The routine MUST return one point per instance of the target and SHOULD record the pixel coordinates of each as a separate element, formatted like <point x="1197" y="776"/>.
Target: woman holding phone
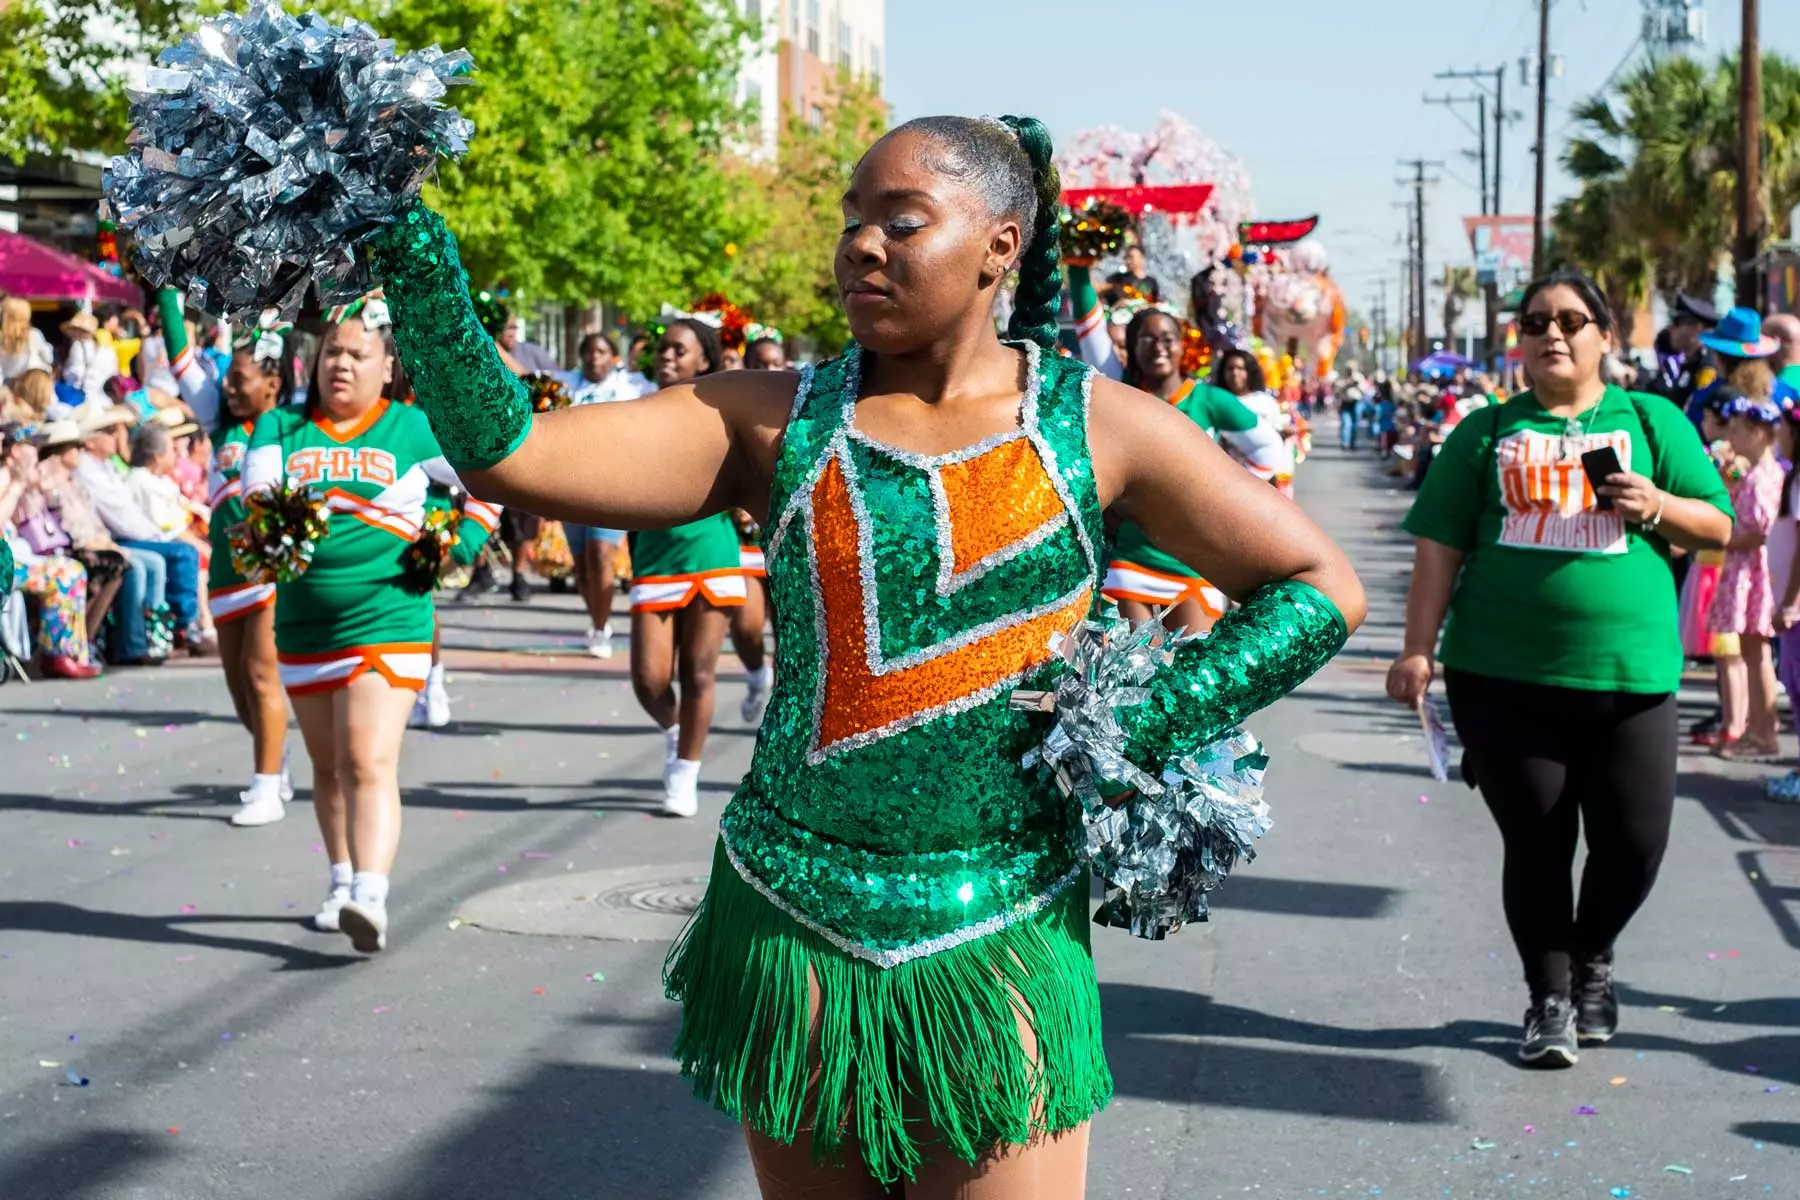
<point x="1561" y="651"/>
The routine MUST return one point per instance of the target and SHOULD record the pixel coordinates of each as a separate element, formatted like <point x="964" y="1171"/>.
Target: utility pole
<point x="1490" y="292"/>
<point x="1543" y="144"/>
<point x="1417" y="311"/>
<point x="1381" y="325"/>
<point x="1749" y="176"/>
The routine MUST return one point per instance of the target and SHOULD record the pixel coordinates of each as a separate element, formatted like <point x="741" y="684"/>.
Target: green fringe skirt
<point x="990" y="1042"/>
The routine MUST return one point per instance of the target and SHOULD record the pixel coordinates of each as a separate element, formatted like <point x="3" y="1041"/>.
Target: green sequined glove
<point x="479" y="410"/>
<point x="6" y="570"/>
<point x="1256" y="654"/>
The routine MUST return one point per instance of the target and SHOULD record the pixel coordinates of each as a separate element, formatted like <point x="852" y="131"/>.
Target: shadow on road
<point x="601" y="794"/>
<point x="1305" y="898"/>
<point x="576" y="1129"/>
<point x="86" y="1164"/>
<point x="1148" y="1028"/>
<point x="46" y="916"/>
<point x="177" y="807"/>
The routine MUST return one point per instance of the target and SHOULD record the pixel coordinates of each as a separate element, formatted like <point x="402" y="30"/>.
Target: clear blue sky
<point x="1320" y="98"/>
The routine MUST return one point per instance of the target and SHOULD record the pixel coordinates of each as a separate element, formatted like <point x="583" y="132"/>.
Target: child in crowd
<point x="1697" y="638"/>
<point x="1744" y="603"/>
<point x="1784" y="580"/>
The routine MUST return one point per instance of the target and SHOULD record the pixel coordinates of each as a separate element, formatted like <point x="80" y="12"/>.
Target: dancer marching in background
<point x="353" y="642"/>
<point x="682" y="580"/>
<point x="257" y="386"/>
<point x="750" y="624"/>
<point x="1140" y="577"/>
<point x="890" y="876"/>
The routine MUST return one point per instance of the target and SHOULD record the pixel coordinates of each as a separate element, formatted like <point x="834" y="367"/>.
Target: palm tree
<point x="1658" y="163"/>
<point x="1459" y="289"/>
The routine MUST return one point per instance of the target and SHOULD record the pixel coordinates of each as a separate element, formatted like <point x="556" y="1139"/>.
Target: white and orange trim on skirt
<point x="724" y="588"/>
<point x="406" y="665"/>
<point x="239" y="601"/>
<point x="1128" y="581"/>
<point x="750" y="558"/>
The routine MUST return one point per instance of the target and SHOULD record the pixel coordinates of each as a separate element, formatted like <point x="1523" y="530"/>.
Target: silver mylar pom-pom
<point x="266" y="147"/>
<point x="1184" y="828"/>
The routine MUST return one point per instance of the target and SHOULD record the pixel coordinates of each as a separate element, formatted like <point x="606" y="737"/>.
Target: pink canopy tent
<point x="35" y="271"/>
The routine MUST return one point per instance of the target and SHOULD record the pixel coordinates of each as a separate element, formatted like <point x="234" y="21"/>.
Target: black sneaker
<point x="480" y="584"/>
<point x="1549" y="1034"/>
<point x="1596" y="1004"/>
<point x="521" y="591"/>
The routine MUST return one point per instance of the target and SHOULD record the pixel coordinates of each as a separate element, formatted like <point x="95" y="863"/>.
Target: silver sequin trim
<point x="1061" y="485"/>
<point x="887" y="959"/>
<point x="801" y="395"/>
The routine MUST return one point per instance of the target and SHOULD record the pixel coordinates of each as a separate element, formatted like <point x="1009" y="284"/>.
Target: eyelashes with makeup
<point x="899" y="228"/>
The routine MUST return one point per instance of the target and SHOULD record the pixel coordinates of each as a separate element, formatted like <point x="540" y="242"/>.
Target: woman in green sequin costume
<point x="889" y="981"/>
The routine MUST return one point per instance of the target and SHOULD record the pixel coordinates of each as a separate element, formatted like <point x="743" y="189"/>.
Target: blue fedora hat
<point x="1739" y="335"/>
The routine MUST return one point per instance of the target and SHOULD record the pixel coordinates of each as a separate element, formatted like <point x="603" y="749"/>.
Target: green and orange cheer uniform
<point x="349" y="614"/>
<point x="231" y="596"/>
<point x="671" y="568"/>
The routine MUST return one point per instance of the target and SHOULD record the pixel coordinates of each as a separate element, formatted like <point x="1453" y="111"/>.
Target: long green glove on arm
<point x="1255" y="654"/>
<point x="6" y="570"/>
<point x="478" y="408"/>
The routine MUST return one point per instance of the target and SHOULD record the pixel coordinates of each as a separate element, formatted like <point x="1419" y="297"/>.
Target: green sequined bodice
<point x="886" y="806"/>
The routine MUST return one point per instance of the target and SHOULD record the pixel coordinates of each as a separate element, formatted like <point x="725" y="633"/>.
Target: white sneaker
<point x="600" y="642"/>
<point x="420" y="716"/>
<point x="326" y="919"/>
<point x="365" y="923"/>
<point x="258" y="808"/>
<point x="681" y="789"/>
<point x="437" y="708"/>
<point x="756" y="696"/>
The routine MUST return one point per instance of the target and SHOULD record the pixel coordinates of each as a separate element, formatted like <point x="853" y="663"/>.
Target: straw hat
<point x="81" y="322"/>
<point x="57" y="434"/>
<point x="98" y="418"/>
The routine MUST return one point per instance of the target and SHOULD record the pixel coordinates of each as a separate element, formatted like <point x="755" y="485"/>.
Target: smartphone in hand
<point x="1599" y="465"/>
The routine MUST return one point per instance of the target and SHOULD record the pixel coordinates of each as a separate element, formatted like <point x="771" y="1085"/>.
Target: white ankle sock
<point x="435" y="680"/>
<point x="672" y="738"/>
<point x="685" y="774"/>
<point x="341" y="875"/>
<point x="762" y="677"/>
<point x="266" y="785"/>
<point x="369" y="887"/>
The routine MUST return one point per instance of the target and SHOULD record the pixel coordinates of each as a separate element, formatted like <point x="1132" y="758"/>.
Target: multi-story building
<point x="805" y="45"/>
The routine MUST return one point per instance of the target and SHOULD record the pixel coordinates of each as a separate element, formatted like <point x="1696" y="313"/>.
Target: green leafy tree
<point x="601" y="128"/>
<point x="61" y="70"/>
<point x="783" y="273"/>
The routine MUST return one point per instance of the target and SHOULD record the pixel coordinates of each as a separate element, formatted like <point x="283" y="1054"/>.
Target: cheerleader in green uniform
<point x="353" y="643"/>
<point x="682" y="580"/>
<point x="258" y="383"/>
<point x="889" y="981"/>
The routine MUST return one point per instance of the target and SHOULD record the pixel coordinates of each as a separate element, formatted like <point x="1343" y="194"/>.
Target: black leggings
<point x="1549" y="760"/>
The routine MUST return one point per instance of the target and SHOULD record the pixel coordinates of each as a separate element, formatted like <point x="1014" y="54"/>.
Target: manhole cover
<point x="672" y="898"/>
<point x="635" y="904"/>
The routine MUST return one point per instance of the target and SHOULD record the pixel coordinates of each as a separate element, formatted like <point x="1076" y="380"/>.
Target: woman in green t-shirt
<point x="1561" y="652"/>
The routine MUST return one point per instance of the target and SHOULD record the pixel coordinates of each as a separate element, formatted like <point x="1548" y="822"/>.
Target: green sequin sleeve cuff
<point x="479" y="410"/>
<point x="1256" y="654"/>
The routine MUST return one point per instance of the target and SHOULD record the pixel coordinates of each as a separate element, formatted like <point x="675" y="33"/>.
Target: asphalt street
<point x="169" y="1029"/>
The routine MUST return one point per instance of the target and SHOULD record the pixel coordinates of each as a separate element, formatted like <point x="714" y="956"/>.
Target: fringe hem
<point x="932" y="1054"/>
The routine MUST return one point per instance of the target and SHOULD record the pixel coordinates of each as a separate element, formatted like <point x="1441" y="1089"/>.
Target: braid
<point x="1039" y="297"/>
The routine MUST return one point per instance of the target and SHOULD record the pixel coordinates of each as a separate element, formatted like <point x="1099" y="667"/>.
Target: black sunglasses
<point x="1569" y="321"/>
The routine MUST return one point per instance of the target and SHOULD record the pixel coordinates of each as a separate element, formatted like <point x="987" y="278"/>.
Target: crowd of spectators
<point x="103" y="490"/>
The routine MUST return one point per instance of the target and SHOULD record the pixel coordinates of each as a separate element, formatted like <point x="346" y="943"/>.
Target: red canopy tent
<point x="30" y="269"/>
<point x="1178" y="199"/>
